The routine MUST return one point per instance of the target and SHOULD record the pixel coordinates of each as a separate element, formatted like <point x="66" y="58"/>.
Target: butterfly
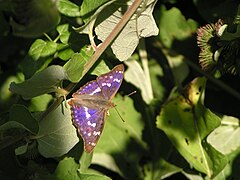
<point x="90" y="105"/>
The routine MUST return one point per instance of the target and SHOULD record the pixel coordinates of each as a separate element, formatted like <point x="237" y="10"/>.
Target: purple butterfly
<point x="91" y="103"/>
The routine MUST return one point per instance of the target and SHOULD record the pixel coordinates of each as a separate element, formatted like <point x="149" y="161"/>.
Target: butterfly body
<point x="91" y="103"/>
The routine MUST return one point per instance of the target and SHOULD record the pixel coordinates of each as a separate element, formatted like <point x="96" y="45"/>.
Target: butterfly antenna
<point x="118" y="111"/>
<point x="119" y="114"/>
<point x="132" y="93"/>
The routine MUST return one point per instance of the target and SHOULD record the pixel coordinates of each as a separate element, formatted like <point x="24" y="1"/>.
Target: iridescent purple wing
<point x="90" y="123"/>
<point x="90" y="103"/>
<point x="91" y="88"/>
<point x="110" y="82"/>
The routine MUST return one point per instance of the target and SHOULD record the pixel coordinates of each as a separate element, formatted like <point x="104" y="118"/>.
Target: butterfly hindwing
<point x="90" y="123"/>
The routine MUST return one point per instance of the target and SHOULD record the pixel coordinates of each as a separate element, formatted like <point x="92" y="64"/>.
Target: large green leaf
<point x="187" y="123"/>
<point x="43" y="82"/>
<point x="121" y="147"/>
<point x="141" y="25"/>
<point x="56" y="134"/>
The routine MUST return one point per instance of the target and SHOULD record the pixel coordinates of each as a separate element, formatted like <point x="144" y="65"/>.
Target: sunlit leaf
<point x="135" y="75"/>
<point x="75" y="66"/>
<point x="142" y="24"/>
<point x="226" y="137"/>
<point x="40" y="103"/>
<point x="68" y="8"/>
<point x="189" y="126"/>
<point x="64" y="32"/>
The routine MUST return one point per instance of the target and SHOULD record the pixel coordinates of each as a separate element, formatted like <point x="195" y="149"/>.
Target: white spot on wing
<point x="106" y="84"/>
<point x="95" y="133"/>
<point x="116" y="80"/>
<point x="96" y="91"/>
<point x="89" y="134"/>
<point x="93" y="124"/>
<point x="86" y="112"/>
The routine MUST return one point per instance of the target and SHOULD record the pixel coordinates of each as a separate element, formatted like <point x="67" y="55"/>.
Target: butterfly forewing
<point x="91" y="88"/>
<point x="110" y="82"/>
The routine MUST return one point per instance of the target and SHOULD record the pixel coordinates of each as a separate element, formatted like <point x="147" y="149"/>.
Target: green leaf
<point x="39" y="56"/>
<point x="64" y="51"/>
<point x="75" y="66"/>
<point x="67" y="169"/>
<point x="21" y="149"/>
<point x="141" y="24"/>
<point x="88" y="6"/>
<point x="100" y="69"/>
<point x="33" y="18"/>
<point x="68" y="8"/>
<point x="137" y="77"/>
<point x="179" y="67"/>
<point x="189" y="126"/>
<point x="156" y="73"/>
<point x="43" y="82"/>
<point x="93" y="177"/>
<point x="121" y="141"/>
<point x="20" y="117"/>
<point x="56" y="134"/>
<point x="87" y="28"/>
<point x="64" y="33"/>
<point x="163" y="169"/>
<point x="174" y="26"/>
<point x="226" y="137"/>
<point x="40" y="103"/>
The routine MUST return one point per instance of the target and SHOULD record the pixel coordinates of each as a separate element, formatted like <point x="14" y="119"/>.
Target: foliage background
<point x="182" y="122"/>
